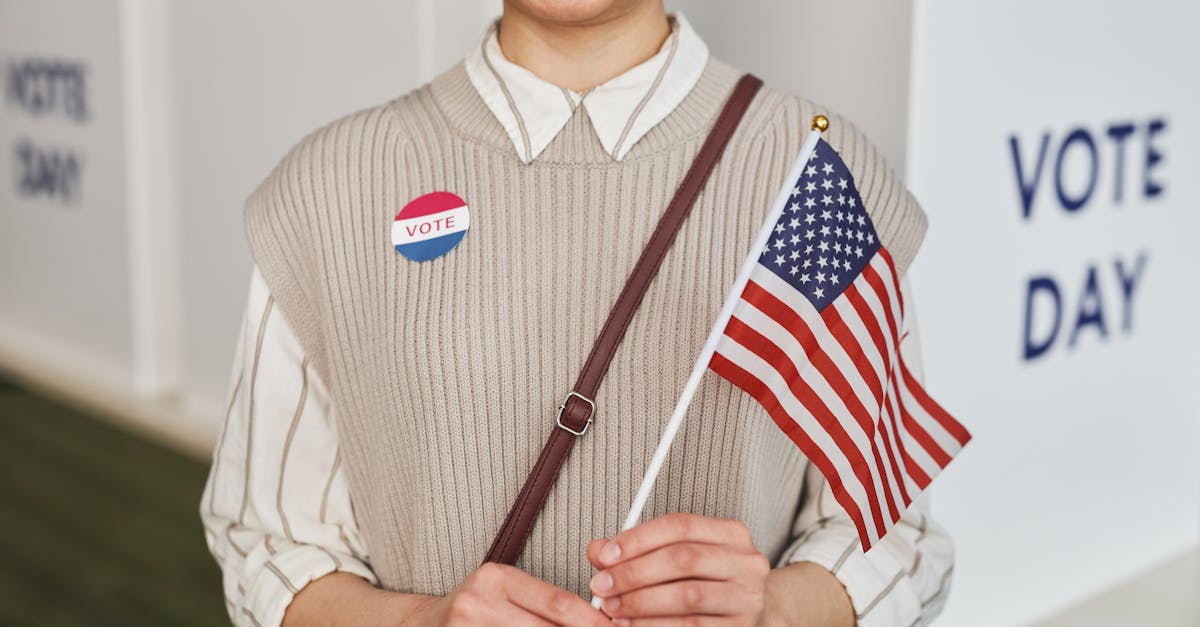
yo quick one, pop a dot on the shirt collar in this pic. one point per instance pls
(622, 110)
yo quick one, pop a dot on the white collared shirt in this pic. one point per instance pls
(276, 508)
(622, 109)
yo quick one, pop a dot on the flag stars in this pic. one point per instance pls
(826, 235)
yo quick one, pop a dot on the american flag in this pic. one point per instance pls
(815, 339)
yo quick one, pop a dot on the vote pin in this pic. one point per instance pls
(430, 226)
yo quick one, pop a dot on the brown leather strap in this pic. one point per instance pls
(575, 414)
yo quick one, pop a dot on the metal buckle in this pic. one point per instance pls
(562, 407)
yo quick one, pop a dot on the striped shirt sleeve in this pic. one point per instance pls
(905, 578)
(276, 509)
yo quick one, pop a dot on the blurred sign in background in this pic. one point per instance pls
(1054, 145)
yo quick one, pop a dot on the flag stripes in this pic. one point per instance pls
(835, 383)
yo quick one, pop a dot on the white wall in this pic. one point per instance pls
(128, 293)
(1085, 465)
(851, 55)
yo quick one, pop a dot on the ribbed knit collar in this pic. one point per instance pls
(622, 110)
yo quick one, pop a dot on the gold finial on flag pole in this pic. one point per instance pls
(820, 123)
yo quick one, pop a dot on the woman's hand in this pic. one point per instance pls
(492, 595)
(681, 565)
(502, 595)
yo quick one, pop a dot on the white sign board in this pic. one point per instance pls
(64, 266)
(1056, 148)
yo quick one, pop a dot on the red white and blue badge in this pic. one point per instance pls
(430, 226)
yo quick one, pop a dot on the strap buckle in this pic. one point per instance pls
(563, 407)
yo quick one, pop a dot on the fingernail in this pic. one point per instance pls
(611, 605)
(610, 553)
(602, 583)
(623, 622)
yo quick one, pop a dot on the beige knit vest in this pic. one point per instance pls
(445, 374)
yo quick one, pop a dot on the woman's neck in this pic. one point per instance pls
(580, 56)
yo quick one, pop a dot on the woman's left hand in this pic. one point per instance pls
(677, 566)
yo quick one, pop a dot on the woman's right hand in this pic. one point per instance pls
(496, 594)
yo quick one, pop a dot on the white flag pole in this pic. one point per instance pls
(819, 124)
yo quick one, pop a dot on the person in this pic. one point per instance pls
(384, 411)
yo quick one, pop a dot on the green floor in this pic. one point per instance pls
(97, 526)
